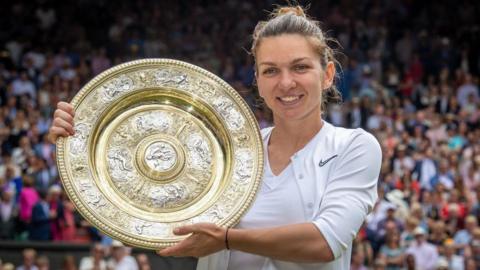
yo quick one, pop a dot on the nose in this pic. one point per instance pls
(287, 81)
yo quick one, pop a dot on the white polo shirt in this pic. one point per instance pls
(331, 182)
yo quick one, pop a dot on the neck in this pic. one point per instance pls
(296, 134)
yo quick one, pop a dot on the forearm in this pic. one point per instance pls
(296, 243)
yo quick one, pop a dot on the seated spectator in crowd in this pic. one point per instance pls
(463, 237)
(438, 234)
(29, 256)
(43, 263)
(143, 262)
(392, 253)
(454, 261)
(8, 212)
(390, 218)
(407, 236)
(425, 254)
(69, 263)
(96, 260)
(121, 259)
(358, 260)
(472, 251)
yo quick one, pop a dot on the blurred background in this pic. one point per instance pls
(408, 73)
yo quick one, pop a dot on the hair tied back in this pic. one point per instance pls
(296, 10)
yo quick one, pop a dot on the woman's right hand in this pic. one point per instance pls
(62, 124)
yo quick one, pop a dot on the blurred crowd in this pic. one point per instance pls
(113, 257)
(408, 72)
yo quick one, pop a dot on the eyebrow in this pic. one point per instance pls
(293, 62)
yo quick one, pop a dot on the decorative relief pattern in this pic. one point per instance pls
(120, 164)
(160, 156)
(243, 165)
(166, 77)
(168, 196)
(116, 87)
(78, 142)
(182, 160)
(226, 108)
(199, 152)
(153, 121)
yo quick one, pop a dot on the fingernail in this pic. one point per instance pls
(176, 230)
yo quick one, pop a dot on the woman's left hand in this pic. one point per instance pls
(206, 238)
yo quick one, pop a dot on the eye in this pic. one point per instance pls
(301, 68)
(269, 71)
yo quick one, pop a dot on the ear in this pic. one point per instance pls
(329, 75)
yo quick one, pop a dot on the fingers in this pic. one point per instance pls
(205, 238)
(55, 132)
(177, 251)
(65, 115)
(185, 230)
(63, 124)
(66, 107)
(195, 228)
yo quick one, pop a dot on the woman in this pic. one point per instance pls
(328, 174)
(392, 253)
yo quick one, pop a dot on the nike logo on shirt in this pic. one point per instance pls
(323, 162)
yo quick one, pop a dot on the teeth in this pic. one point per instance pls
(289, 98)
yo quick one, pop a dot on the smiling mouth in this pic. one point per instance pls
(290, 100)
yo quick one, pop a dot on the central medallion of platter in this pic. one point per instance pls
(159, 157)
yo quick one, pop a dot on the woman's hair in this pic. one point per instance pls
(293, 20)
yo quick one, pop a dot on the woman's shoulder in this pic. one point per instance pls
(344, 137)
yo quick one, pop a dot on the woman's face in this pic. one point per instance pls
(290, 77)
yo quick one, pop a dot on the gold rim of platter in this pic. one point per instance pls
(158, 144)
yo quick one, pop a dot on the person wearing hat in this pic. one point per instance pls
(121, 259)
(425, 254)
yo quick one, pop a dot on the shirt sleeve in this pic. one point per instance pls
(351, 192)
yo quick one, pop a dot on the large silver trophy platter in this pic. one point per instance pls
(159, 144)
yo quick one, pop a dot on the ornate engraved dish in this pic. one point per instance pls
(159, 144)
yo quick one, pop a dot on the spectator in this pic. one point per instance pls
(8, 213)
(40, 229)
(463, 237)
(29, 255)
(454, 261)
(69, 263)
(392, 253)
(121, 259)
(468, 88)
(143, 262)
(43, 263)
(425, 254)
(28, 198)
(23, 85)
(96, 260)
